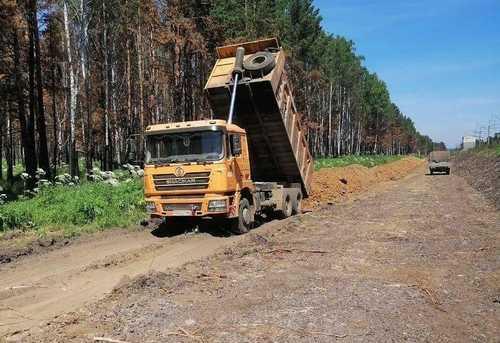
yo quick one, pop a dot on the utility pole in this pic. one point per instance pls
(489, 126)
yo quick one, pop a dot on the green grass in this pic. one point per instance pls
(487, 150)
(364, 160)
(75, 209)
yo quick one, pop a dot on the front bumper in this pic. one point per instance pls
(439, 167)
(190, 207)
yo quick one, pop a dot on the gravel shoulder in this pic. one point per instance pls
(410, 260)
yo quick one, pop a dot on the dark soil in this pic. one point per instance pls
(15, 245)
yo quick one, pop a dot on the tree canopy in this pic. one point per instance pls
(79, 78)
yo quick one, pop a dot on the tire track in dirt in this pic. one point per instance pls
(42, 287)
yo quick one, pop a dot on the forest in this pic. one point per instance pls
(79, 79)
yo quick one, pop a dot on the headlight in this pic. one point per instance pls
(217, 205)
(150, 207)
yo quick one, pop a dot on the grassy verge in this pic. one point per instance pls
(74, 209)
(364, 160)
(486, 150)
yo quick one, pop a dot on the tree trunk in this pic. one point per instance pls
(107, 152)
(55, 155)
(43, 152)
(141, 87)
(27, 140)
(2, 125)
(86, 83)
(10, 149)
(129, 84)
(30, 123)
(330, 98)
(73, 159)
(339, 124)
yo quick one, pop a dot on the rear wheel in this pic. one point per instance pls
(297, 204)
(244, 222)
(287, 209)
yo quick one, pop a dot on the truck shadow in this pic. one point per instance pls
(213, 227)
(188, 227)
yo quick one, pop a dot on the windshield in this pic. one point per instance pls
(200, 146)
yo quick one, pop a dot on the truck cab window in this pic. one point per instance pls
(235, 144)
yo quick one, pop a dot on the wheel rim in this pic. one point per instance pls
(245, 215)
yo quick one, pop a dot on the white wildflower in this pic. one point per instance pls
(112, 182)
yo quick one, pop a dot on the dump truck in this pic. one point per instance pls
(439, 162)
(250, 159)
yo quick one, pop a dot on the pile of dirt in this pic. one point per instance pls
(482, 171)
(332, 184)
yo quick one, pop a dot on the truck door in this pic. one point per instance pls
(241, 164)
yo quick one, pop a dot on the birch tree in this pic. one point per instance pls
(72, 90)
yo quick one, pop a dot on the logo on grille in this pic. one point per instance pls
(179, 172)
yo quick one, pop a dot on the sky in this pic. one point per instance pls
(439, 58)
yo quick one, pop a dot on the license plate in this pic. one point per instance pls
(181, 213)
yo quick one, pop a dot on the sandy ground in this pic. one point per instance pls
(36, 289)
(410, 260)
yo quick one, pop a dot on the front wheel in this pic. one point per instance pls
(244, 222)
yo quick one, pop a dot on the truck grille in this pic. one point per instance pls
(170, 182)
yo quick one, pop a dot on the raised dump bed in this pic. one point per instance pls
(265, 109)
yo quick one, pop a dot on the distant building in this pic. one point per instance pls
(468, 142)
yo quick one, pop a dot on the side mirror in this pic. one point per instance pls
(235, 141)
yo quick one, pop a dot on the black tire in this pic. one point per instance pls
(259, 64)
(431, 172)
(244, 222)
(297, 205)
(448, 172)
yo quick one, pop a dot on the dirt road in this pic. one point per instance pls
(411, 260)
(40, 287)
